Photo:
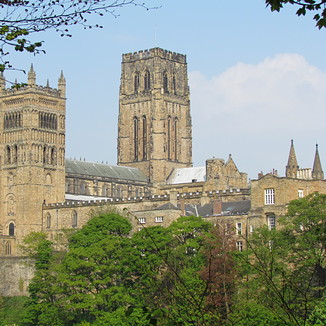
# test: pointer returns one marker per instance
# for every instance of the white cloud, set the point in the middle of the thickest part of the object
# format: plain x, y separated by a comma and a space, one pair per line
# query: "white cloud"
249, 107
276, 92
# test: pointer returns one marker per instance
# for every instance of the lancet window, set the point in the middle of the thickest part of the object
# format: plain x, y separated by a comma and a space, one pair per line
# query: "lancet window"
48, 120
144, 138
147, 81
165, 82
136, 133
136, 82
13, 120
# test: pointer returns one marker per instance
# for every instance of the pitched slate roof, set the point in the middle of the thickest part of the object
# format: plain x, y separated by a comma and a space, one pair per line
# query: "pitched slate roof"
104, 170
228, 208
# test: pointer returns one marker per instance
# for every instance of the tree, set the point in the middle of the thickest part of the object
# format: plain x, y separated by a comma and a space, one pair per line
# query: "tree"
316, 6
41, 309
285, 269
20, 19
219, 270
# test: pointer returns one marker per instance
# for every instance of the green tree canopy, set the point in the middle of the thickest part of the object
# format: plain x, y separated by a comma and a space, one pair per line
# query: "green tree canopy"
315, 6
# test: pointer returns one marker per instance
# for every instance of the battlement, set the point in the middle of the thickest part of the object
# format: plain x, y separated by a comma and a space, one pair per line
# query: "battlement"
44, 90
152, 198
154, 52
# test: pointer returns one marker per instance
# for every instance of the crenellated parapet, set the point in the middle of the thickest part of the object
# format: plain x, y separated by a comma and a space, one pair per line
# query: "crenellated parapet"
154, 52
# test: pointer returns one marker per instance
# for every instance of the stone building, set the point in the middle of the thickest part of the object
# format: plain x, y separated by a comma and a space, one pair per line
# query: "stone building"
154, 182
40, 190
270, 193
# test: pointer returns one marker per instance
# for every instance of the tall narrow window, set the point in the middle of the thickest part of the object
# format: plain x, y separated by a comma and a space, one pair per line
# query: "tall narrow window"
74, 219
147, 81
12, 229
136, 82
8, 155
165, 83
45, 155
135, 139
8, 248
176, 139
269, 196
238, 228
174, 85
271, 220
144, 138
169, 138
53, 156
48, 221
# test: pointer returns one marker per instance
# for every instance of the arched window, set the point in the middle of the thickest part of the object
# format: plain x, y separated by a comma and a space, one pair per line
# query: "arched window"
8, 248
174, 85
11, 229
53, 156
74, 219
136, 82
165, 83
45, 160
169, 138
135, 139
144, 138
147, 81
48, 221
15, 154
7, 155
176, 139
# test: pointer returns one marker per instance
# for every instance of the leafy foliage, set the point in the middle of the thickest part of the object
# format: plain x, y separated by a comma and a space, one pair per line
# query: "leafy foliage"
285, 269
186, 274
305, 6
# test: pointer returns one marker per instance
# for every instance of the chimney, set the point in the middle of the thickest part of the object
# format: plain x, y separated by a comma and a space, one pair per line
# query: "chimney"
217, 207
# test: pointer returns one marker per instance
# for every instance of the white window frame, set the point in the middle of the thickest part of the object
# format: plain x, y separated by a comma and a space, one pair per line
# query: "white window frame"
271, 221
142, 220
300, 193
239, 245
251, 228
158, 219
238, 227
269, 196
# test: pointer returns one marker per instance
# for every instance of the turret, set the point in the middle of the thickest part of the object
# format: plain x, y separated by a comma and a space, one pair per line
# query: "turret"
31, 76
62, 84
317, 171
2, 83
292, 166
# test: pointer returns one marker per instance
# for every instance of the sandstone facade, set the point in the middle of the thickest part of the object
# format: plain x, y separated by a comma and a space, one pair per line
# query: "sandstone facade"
154, 182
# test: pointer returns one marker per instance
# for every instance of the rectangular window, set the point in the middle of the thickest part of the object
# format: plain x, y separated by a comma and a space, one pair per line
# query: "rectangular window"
252, 228
239, 245
142, 220
159, 219
269, 196
238, 227
300, 193
271, 220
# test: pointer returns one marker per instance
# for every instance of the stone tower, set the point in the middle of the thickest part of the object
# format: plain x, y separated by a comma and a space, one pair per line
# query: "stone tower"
32, 152
154, 132
292, 166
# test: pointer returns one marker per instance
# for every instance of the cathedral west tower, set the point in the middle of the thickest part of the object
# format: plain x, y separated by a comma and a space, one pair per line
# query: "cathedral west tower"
155, 133
32, 152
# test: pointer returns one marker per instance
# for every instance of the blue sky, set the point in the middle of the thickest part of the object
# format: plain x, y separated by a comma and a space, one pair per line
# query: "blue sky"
257, 78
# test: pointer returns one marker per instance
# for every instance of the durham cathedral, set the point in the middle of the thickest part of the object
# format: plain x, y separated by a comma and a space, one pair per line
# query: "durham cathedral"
153, 182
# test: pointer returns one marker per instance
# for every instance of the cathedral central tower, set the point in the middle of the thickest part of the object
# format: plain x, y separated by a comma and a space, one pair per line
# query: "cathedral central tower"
154, 132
